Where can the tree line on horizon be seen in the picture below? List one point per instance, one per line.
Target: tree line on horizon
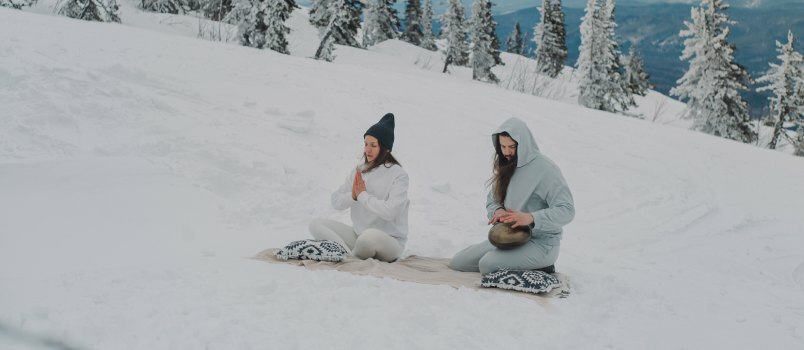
(607, 79)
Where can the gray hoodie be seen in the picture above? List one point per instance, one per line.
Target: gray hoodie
(537, 186)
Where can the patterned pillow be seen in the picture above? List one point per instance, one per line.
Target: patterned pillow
(310, 249)
(531, 281)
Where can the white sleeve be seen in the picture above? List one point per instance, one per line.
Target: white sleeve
(395, 204)
(342, 197)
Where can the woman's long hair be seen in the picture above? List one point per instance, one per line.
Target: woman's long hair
(383, 158)
(503, 170)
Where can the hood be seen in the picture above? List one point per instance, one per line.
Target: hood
(526, 149)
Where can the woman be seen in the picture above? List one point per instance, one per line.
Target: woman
(528, 190)
(377, 195)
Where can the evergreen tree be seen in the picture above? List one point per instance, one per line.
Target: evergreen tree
(483, 52)
(347, 19)
(636, 79)
(413, 23)
(491, 30)
(217, 10)
(91, 10)
(319, 17)
(16, 4)
(428, 39)
(381, 22)
(264, 25)
(550, 38)
(371, 24)
(229, 11)
(783, 79)
(799, 143)
(601, 85)
(712, 84)
(327, 46)
(165, 6)
(588, 69)
(514, 44)
(454, 31)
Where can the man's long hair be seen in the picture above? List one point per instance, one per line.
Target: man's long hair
(383, 158)
(503, 170)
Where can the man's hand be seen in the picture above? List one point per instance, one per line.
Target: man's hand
(497, 215)
(516, 218)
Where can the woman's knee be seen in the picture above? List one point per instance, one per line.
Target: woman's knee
(373, 243)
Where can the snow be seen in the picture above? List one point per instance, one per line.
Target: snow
(141, 168)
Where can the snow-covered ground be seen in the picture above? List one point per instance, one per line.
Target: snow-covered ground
(141, 167)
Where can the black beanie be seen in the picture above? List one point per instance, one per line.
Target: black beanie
(383, 131)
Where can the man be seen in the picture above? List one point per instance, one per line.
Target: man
(527, 190)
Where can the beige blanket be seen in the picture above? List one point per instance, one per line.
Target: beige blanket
(418, 269)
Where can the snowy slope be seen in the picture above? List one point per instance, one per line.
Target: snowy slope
(139, 170)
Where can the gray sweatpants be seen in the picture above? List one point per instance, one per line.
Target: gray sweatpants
(372, 243)
(486, 258)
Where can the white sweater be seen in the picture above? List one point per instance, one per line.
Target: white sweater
(384, 204)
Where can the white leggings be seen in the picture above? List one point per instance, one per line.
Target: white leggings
(372, 243)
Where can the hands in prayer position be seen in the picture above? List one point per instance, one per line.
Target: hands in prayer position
(358, 185)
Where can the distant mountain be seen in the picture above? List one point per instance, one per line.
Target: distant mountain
(508, 6)
(655, 28)
(733, 3)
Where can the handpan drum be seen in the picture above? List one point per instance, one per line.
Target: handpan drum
(502, 236)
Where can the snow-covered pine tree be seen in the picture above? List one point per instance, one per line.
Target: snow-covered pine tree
(347, 19)
(483, 54)
(239, 13)
(618, 93)
(492, 31)
(264, 25)
(428, 39)
(453, 29)
(164, 6)
(319, 17)
(217, 10)
(91, 10)
(550, 38)
(381, 22)
(783, 80)
(327, 46)
(371, 23)
(16, 4)
(601, 85)
(413, 23)
(514, 44)
(712, 84)
(637, 81)
(799, 143)
(588, 70)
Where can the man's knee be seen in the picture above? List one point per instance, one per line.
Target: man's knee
(463, 262)
(487, 264)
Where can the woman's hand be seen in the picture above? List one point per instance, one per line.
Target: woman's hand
(516, 218)
(358, 186)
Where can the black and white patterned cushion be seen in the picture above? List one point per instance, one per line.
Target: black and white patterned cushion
(310, 249)
(530, 281)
